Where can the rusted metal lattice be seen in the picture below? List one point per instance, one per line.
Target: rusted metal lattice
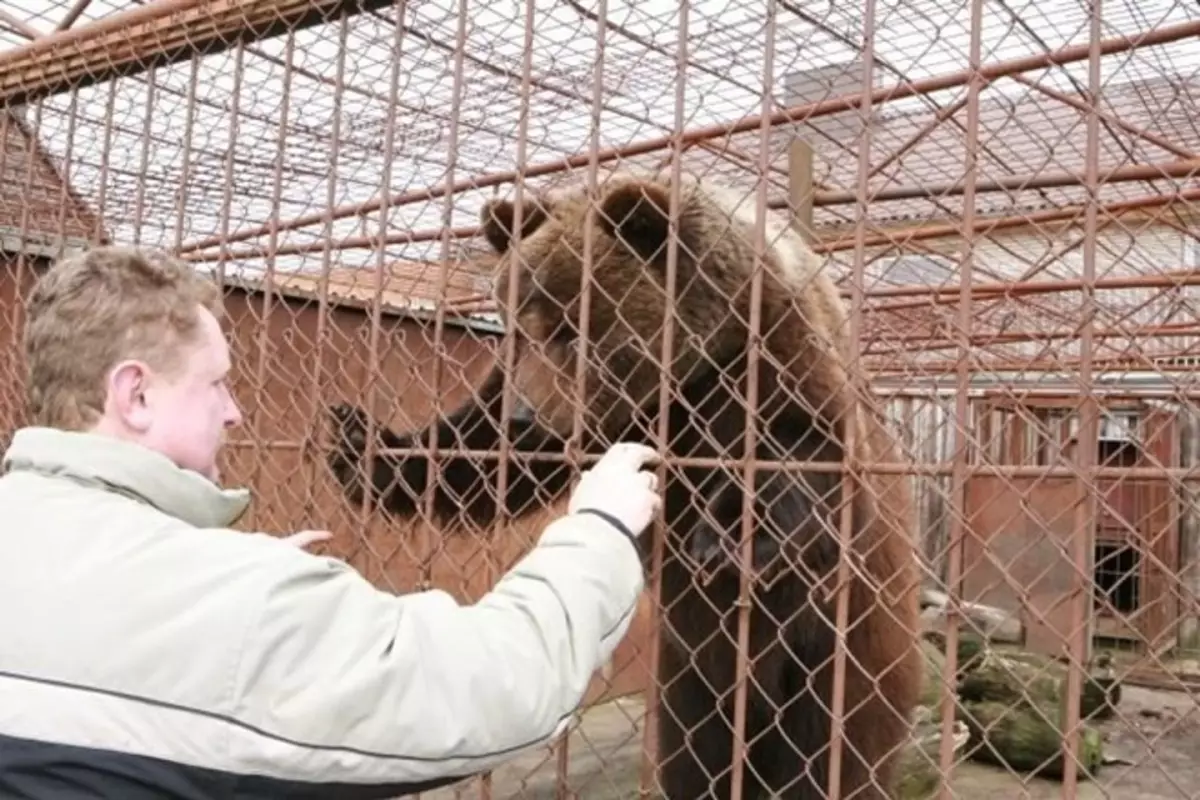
(1004, 197)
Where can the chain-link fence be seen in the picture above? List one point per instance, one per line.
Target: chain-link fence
(931, 302)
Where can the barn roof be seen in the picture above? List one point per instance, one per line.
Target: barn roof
(398, 285)
(40, 211)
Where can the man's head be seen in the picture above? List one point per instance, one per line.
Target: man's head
(127, 343)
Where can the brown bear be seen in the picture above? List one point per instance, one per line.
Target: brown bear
(805, 410)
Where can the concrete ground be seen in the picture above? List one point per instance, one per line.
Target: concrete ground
(1156, 735)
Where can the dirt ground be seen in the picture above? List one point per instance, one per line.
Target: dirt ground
(1156, 736)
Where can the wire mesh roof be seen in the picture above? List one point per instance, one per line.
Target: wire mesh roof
(218, 148)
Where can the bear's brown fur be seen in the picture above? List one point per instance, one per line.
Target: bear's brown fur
(805, 410)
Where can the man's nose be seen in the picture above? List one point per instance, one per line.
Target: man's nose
(234, 417)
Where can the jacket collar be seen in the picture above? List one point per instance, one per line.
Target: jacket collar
(129, 469)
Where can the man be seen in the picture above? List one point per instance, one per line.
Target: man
(147, 650)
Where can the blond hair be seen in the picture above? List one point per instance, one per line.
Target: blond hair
(91, 311)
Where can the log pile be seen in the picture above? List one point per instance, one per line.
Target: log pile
(1009, 706)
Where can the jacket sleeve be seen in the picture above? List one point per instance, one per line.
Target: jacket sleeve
(341, 682)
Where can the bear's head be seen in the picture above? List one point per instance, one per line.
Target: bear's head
(541, 276)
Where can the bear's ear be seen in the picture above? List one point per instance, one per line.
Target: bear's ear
(496, 219)
(638, 215)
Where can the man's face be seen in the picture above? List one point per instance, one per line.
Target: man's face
(183, 414)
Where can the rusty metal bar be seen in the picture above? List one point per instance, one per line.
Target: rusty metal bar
(981, 339)
(1163, 34)
(73, 13)
(160, 33)
(922, 469)
(754, 345)
(650, 754)
(227, 181)
(902, 237)
(100, 235)
(652, 46)
(235, 104)
(439, 344)
(370, 386)
(64, 192)
(936, 295)
(440, 353)
(1084, 531)
(346, 243)
(1126, 363)
(1046, 397)
(930, 296)
(1005, 394)
(9, 125)
(139, 204)
(851, 476)
(260, 411)
(18, 26)
(1129, 312)
(1024, 289)
(575, 444)
(958, 481)
(319, 374)
(24, 267)
(1182, 168)
(189, 126)
(505, 450)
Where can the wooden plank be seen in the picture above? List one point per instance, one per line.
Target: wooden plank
(156, 35)
(800, 187)
(1159, 526)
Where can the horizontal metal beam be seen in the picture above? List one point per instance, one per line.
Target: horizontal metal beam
(157, 34)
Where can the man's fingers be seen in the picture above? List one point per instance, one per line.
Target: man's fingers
(629, 455)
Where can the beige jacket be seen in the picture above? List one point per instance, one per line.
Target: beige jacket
(147, 650)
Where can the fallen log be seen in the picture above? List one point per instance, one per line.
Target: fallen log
(1015, 682)
(1024, 738)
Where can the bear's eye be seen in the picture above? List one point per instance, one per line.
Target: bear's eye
(544, 318)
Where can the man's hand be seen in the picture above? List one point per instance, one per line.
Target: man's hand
(304, 539)
(616, 486)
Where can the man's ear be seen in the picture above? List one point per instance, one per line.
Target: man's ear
(637, 215)
(127, 388)
(496, 219)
